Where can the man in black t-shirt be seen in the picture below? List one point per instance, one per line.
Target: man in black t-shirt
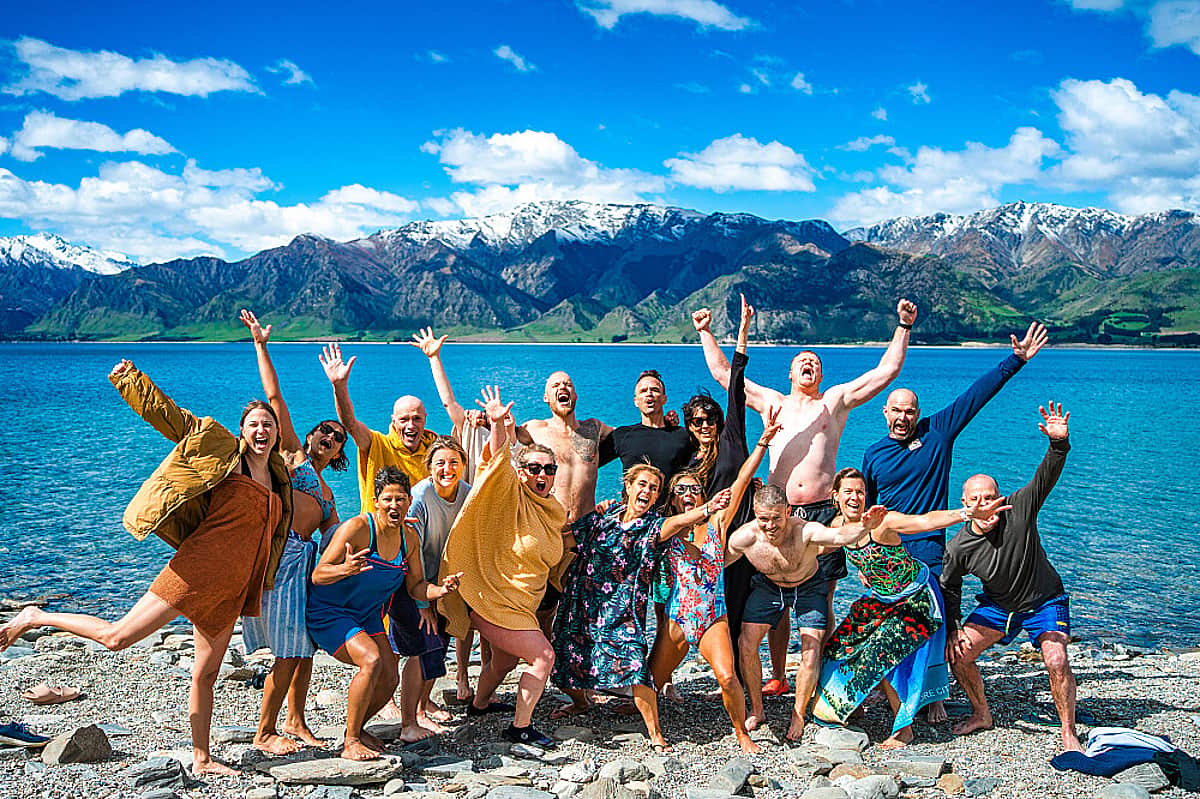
(666, 448)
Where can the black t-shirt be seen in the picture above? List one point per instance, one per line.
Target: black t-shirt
(667, 449)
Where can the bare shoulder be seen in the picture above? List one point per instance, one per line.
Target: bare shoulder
(589, 428)
(742, 537)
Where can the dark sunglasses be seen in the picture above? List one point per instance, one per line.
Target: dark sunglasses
(330, 430)
(549, 469)
(702, 420)
(683, 489)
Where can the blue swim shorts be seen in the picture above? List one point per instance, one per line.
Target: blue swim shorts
(1052, 616)
(808, 602)
(330, 627)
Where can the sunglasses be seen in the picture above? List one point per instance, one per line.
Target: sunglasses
(683, 489)
(549, 469)
(700, 421)
(327, 429)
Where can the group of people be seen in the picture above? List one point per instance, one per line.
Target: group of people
(495, 530)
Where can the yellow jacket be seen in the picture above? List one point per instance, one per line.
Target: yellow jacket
(174, 499)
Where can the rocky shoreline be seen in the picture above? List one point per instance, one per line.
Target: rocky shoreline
(130, 728)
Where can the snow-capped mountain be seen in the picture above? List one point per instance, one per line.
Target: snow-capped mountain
(46, 249)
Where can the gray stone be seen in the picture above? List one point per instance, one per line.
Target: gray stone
(810, 759)
(518, 792)
(233, 735)
(158, 772)
(733, 776)
(337, 771)
(263, 792)
(394, 787)
(880, 786)
(327, 698)
(1122, 790)
(1147, 775)
(159, 793)
(332, 792)
(641, 790)
(601, 788)
(842, 738)
(908, 781)
(625, 770)
(582, 771)
(980, 786)
(565, 789)
(115, 730)
(166, 720)
(444, 765)
(916, 765)
(839, 756)
(568, 732)
(628, 738)
(527, 750)
(832, 792)
(660, 765)
(705, 792)
(80, 745)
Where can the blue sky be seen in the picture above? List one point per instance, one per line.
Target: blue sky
(163, 132)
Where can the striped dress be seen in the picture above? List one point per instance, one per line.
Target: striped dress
(282, 627)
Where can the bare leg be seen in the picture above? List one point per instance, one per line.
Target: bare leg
(147, 615)
(902, 736)
(295, 724)
(662, 627)
(276, 687)
(370, 688)
(1062, 685)
(967, 674)
(509, 645)
(462, 665)
(717, 649)
(410, 696)
(806, 678)
(777, 643)
(429, 714)
(748, 643)
(670, 647)
(647, 704)
(209, 653)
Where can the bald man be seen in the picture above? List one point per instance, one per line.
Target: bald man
(1021, 590)
(405, 444)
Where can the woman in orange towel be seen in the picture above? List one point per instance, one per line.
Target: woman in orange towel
(224, 503)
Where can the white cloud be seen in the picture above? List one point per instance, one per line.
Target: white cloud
(880, 113)
(155, 215)
(864, 143)
(952, 181)
(705, 13)
(511, 168)
(76, 74)
(761, 76)
(45, 130)
(506, 53)
(1144, 149)
(1175, 22)
(1096, 5)
(435, 57)
(746, 88)
(3, 145)
(738, 163)
(800, 84)
(295, 75)
(919, 93)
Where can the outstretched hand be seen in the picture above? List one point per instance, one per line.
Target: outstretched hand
(1035, 338)
(1055, 421)
(425, 341)
(337, 370)
(121, 366)
(702, 320)
(986, 510)
(907, 311)
(873, 517)
(495, 409)
(260, 334)
(772, 425)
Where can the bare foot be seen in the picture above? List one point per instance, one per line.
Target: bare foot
(568, 710)
(1070, 742)
(412, 733)
(275, 744)
(390, 711)
(901, 737)
(21, 623)
(438, 714)
(749, 747)
(302, 733)
(355, 750)
(372, 741)
(429, 724)
(973, 723)
(796, 728)
(212, 767)
(753, 721)
(935, 713)
(669, 692)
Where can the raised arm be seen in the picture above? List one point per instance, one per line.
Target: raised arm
(1030, 497)
(673, 525)
(151, 403)
(870, 383)
(338, 372)
(757, 397)
(815, 533)
(906, 524)
(500, 415)
(432, 347)
(746, 474)
(288, 440)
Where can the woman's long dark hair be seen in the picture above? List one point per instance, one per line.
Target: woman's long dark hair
(703, 404)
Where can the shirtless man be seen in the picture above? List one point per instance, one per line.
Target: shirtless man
(784, 550)
(804, 454)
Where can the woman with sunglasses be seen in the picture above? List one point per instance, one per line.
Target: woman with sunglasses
(696, 605)
(504, 542)
(281, 627)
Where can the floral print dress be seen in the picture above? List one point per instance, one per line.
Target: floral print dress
(600, 640)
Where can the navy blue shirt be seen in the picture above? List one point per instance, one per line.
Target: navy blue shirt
(913, 476)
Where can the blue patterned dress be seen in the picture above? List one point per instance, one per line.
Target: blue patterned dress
(600, 640)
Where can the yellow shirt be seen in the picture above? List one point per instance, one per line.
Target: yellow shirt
(389, 450)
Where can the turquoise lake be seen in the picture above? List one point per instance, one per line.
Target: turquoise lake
(1121, 526)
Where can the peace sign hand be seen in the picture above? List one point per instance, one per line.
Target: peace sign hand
(772, 425)
(356, 562)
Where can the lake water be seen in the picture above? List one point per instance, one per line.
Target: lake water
(1121, 526)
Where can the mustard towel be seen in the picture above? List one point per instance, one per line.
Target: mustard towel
(505, 541)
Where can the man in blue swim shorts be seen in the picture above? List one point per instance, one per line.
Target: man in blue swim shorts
(1021, 590)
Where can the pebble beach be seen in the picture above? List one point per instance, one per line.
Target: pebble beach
(138, 700)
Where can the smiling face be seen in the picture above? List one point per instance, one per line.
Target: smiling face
(391, 505)
(532, 471)
(978, 490)
(686, 494)
(446, 468)
(408, 420)
(259, 431)
(649, 395)
(806, 372)
(641, 490)
(326, 441)
(560, 394)
(851, 498)
(772, 521)
(702, 423)
(902, 414)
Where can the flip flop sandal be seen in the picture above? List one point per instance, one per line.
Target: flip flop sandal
(43, 694)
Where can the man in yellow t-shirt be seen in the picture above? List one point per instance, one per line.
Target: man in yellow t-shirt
(404, 445)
